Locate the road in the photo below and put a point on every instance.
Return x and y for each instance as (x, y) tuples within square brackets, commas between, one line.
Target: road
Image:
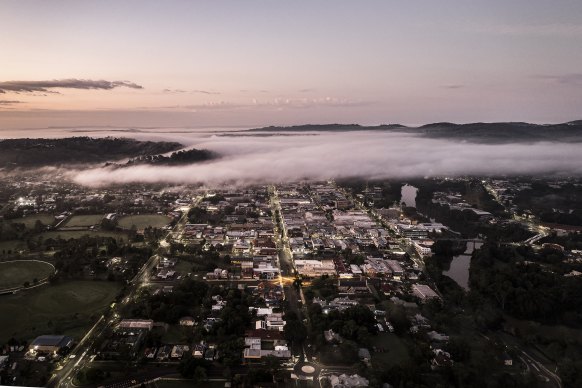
[(539, 230), (533, 364), (285, 257), (79, 357)]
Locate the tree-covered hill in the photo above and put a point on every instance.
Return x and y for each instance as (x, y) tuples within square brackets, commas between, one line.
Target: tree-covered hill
[(76, 150)]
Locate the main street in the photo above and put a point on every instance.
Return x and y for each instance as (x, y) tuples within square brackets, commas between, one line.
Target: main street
[(80, 356), (285, 257)]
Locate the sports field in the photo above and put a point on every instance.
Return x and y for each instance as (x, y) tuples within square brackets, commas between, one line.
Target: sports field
[(69, 308), (15, 273), (142, 221), (83, 221)]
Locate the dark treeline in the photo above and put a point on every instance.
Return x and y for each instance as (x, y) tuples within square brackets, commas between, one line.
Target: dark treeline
[(519, 283), (75, 150), (176, 158)]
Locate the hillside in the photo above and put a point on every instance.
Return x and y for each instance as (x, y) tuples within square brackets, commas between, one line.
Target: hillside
[(327, 128), (76, 150), (510, 132)]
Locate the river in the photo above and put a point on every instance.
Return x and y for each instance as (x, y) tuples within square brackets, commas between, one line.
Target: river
[(408, 195), (459, 269)]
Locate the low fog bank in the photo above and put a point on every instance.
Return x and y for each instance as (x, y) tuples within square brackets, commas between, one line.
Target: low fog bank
[(247, 160)]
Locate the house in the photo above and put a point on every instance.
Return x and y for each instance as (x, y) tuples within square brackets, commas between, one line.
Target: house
[(187, 321), (352, 286), (209, 354), (507, 359), (198, 350), (345, 381), (164, 353), (440, 359), (331, 336), (150, 353), (178, 351)]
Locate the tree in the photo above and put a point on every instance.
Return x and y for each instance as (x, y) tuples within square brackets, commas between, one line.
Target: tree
[(295, 332), (199, 374)]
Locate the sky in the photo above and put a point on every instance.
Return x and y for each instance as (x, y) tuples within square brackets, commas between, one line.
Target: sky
[(253, 63)]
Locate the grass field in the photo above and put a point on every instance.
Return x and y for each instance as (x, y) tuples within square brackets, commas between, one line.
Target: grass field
[(15, 273), (142, 221), (67, 235), (176, 334), (30, 221), (83, 221), (69, 308), (395, 351)]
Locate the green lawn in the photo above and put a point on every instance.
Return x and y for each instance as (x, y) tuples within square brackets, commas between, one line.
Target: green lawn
[(142, 221), (15, 273), (30, 221), (395, 350), (84, 221), (69, 308), (67, 235), (176, 334)]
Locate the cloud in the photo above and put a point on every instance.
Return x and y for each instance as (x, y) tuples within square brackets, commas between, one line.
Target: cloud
[(177, 91), (9, 102), (47, 86), (454, 86), (248, 160), (276, 103), (569, 79)]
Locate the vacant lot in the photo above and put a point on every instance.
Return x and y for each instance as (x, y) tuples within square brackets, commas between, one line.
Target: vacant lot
[(67, 234), (15, 273), (30, 221), (83, 221), (70, 308), (142, 221)]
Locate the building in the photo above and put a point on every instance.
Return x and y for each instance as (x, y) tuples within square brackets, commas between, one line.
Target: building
[(315, 268), (46, 344), (187, 321), (352, 286), (423, 292), (142, 324)]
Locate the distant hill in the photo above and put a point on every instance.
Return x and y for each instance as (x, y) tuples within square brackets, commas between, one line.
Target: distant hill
[(76, 150), (327, 128), (474, 132), (505, 132)]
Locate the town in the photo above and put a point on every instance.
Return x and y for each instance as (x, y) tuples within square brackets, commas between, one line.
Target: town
[(320, 284)]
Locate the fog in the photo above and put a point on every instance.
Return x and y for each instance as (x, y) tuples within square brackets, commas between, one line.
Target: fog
[(259, 159)]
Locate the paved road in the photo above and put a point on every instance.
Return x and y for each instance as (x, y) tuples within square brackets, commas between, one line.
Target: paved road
[(285, 261), (80, 356)]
